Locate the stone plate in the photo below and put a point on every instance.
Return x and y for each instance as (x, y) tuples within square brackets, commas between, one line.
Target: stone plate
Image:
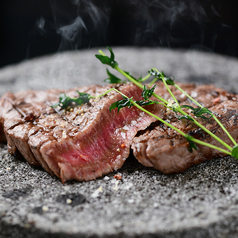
[(202, 202)]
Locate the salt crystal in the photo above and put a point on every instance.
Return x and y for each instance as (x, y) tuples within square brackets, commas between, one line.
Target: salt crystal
[(106, 178), (45, 208), (97, 192), (194, 94), (68, 201)]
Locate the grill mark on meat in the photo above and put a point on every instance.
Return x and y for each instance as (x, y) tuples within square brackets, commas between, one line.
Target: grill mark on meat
[(18, 135), (82, 152)]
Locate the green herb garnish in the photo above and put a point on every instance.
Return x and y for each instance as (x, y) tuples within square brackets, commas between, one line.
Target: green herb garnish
[(106, 60), (66, 102), (192, 145), (161, 76), (125, 102), (198, 112), (187, 117), (112, 78), (148, 92), (234, 151)]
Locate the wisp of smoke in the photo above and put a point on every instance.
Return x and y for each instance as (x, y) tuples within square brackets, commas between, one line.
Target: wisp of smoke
[(71, 33), (84, 24), (164, 22), (40, 24), (88, 23)]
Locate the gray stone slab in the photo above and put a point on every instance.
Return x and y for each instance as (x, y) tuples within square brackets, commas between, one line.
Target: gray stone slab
[(202, 202)]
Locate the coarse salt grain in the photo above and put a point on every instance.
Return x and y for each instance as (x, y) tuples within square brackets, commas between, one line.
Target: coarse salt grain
[(194, 94), (182, 95), (116, 185), (68, 201), (64, 134), (45, 208), (97, 192), (106, 178)]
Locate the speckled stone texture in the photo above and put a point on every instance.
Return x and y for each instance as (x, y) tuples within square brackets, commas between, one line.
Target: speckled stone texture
[(202, 202)]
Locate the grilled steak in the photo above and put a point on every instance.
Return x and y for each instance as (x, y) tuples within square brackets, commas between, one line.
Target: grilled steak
[(80, 144), (164, 149), (89, 141)]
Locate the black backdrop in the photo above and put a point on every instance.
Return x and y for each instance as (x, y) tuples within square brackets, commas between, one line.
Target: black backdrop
[(33, 28)]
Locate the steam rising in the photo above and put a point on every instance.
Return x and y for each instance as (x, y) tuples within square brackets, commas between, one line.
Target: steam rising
[(41, 25), (86, 23), (164, 22), (72, 33)]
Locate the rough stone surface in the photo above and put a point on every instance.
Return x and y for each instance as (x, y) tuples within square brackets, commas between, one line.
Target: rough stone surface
[(202, 202)]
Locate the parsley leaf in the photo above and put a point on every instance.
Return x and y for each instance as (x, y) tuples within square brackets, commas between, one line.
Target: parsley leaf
[(199, 112), (192, 145), (160, 75), (112, 78), (147, 92), (66, 102), (125, 102), (139, 79), (234, 151), (144, 103), (106, 60), (187, 117)]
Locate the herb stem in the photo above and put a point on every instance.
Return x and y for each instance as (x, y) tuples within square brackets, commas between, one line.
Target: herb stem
[(152, 82), (166, 102), (134, 81), (181, 132), (213, 116), (211, 134), (139, 84), (103, 94), (169, 125), (145, 78), (167, 87), (185, 114)]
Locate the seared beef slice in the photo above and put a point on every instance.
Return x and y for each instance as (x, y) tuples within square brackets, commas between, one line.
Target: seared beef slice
[(80, 144), (89, 141), (166, 150)]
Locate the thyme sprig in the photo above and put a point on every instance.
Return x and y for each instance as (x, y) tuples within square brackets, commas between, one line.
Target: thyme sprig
[(66, 102), (127, 102), (169, 81), (198, 112), (108, 60), (130, 102)]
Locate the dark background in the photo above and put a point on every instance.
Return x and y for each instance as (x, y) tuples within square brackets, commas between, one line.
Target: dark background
[(34, 28)]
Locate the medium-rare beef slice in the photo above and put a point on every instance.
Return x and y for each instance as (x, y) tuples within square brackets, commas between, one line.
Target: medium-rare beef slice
[(164, 149), (80, 144), (88, 141)]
